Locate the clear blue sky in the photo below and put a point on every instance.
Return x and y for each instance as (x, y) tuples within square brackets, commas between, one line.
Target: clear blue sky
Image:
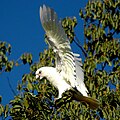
[(20, 26)]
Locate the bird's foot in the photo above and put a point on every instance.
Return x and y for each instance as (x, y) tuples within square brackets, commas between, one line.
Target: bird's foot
[(55, 99)]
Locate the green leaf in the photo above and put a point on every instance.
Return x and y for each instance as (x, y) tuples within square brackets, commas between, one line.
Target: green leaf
[(29, 86), (6, 111), (9, 66), (26, 104), (81, 14), (26, 58), (1, 109)]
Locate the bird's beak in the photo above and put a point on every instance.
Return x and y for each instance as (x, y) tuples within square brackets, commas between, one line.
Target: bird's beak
[(38, 76)]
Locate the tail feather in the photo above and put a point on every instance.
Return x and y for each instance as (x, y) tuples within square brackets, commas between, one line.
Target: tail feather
[(93, 103)]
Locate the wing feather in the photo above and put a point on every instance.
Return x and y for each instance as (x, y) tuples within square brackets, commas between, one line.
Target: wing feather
[(59, 42), (67, 63)]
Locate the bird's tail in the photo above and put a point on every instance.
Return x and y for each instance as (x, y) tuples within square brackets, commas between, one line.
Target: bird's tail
[(93, 103)]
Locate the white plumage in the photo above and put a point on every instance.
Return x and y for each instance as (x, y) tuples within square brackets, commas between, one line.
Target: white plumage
[(68, 73)]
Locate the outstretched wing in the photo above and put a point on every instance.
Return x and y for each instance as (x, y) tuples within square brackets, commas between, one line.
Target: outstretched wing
[(60, 44), (66, 62)]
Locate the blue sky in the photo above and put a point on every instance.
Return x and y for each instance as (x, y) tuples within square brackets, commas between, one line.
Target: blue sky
[(20, 26)]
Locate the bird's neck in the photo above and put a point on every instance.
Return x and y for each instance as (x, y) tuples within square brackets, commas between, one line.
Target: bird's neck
[(50, 72)]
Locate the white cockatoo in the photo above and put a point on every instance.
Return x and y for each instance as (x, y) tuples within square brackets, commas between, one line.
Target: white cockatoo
[(67, 73)]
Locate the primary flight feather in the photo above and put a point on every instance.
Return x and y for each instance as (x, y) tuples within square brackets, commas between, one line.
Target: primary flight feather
[(67, 73)]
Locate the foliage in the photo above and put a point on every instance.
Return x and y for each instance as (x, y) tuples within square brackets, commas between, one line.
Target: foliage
[(5, 49), (6, 64), (35, 100), (102, 64), (69, 24)]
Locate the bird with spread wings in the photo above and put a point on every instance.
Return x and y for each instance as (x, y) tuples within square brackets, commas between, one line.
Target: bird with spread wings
[(67, 73)]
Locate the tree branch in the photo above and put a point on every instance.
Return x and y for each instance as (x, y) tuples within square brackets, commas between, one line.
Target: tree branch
[(78, 44), (11, 87)]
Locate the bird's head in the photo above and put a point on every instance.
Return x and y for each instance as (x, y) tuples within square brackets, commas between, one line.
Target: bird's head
[(40, 73), (44, 72)]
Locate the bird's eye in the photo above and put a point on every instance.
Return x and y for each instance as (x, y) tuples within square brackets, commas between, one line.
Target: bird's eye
[(39, 72)]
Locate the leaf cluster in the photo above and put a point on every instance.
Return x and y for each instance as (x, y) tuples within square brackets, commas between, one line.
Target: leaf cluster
[(5, 51), (102, 64), (69, 24)]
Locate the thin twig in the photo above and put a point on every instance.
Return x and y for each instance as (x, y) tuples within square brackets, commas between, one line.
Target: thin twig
[(13, 91), (78, 44)]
